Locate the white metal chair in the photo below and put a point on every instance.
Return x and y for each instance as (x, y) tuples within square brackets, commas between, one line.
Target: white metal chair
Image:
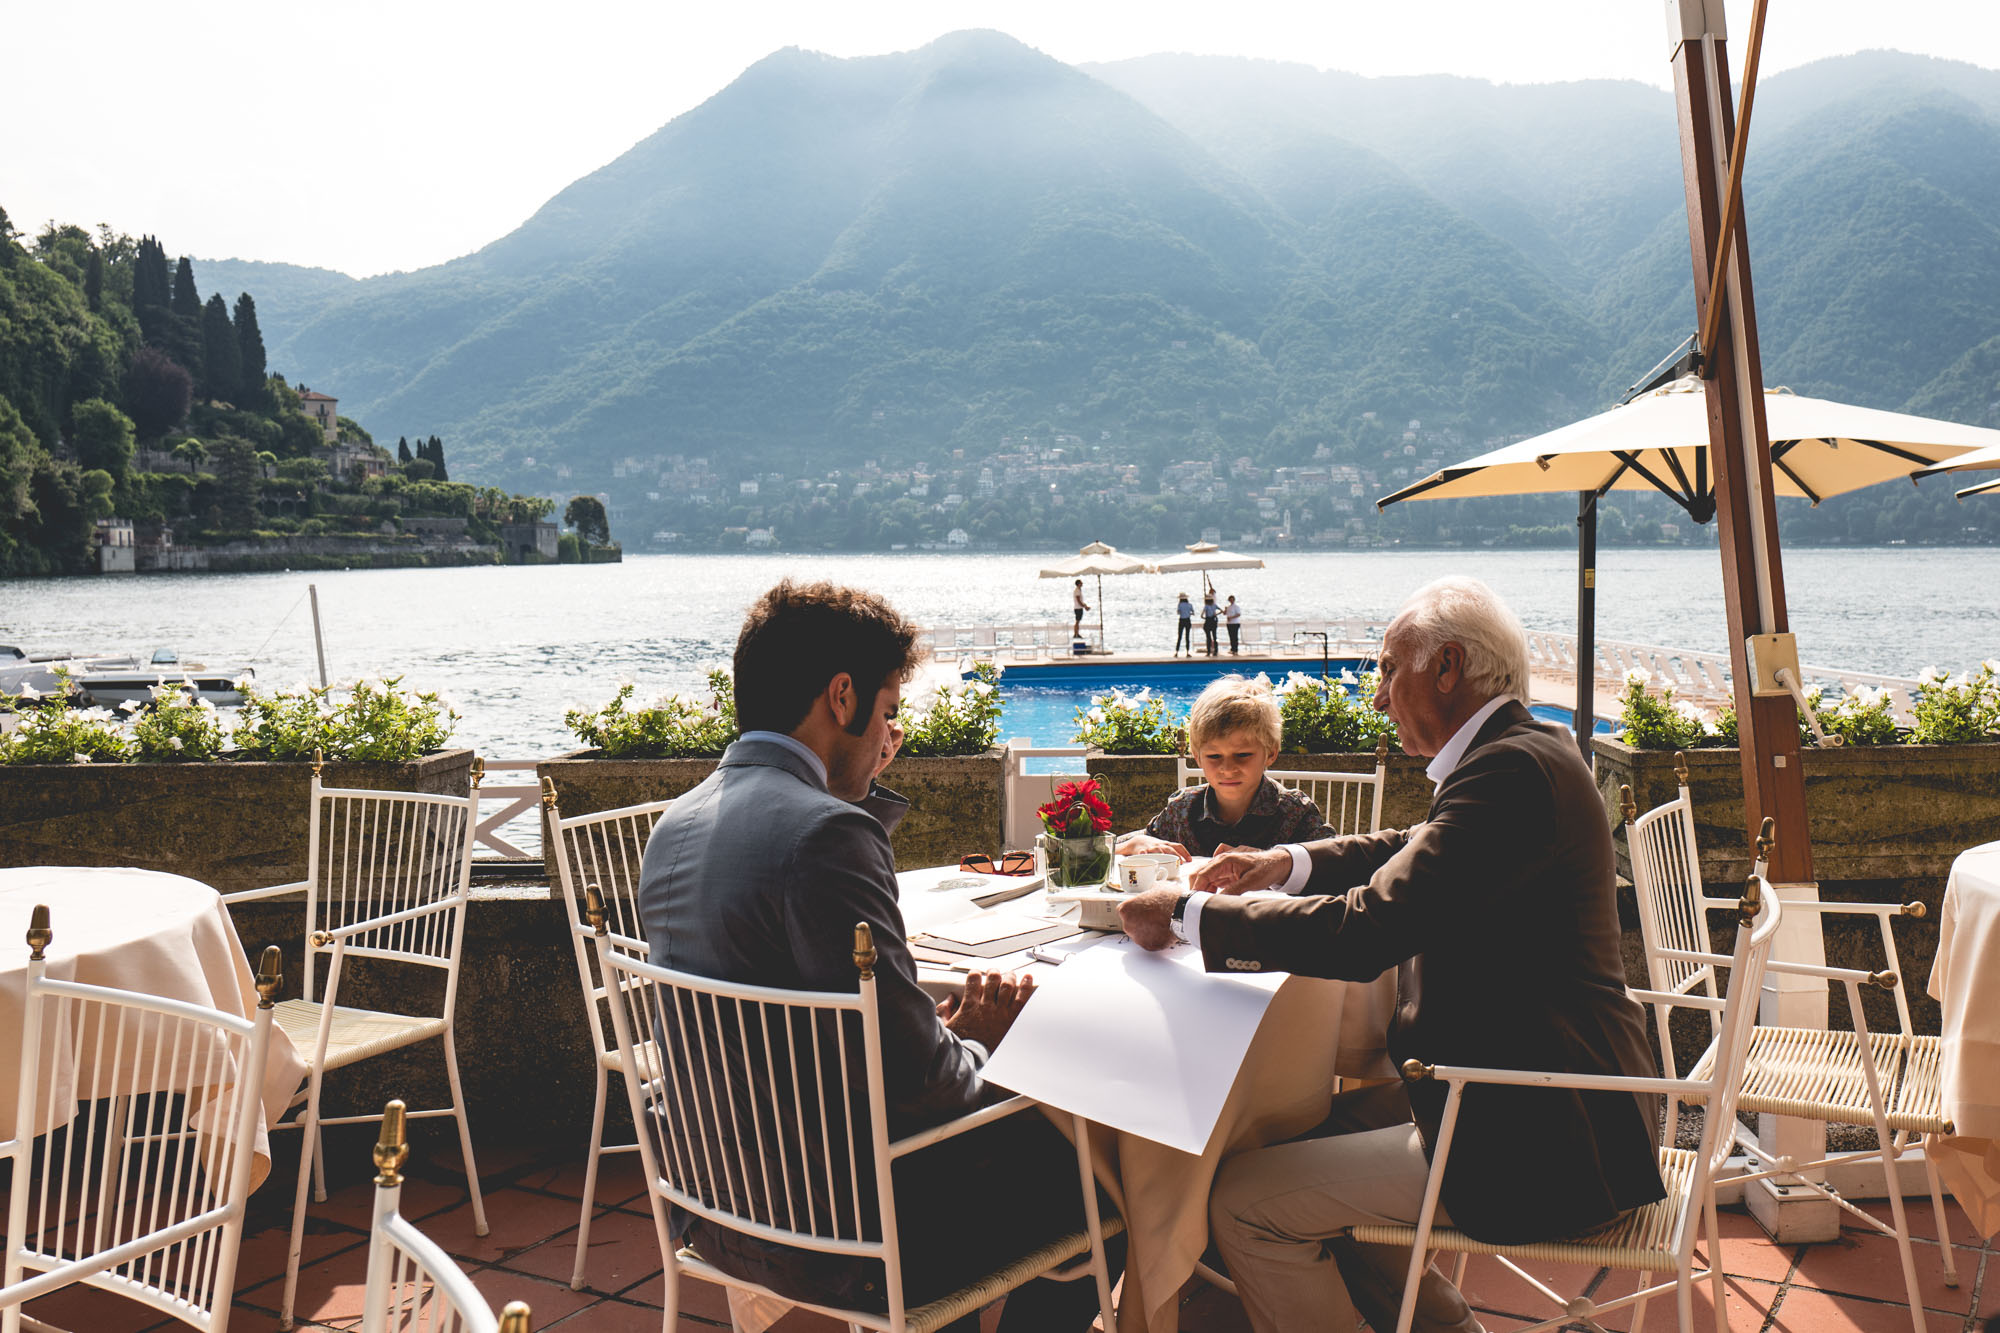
[(599, 852), (1349, 802), (412, 1284), (1803, 1072), (1660, 1237), (388, 875), (135, 1126), (811, 1116)]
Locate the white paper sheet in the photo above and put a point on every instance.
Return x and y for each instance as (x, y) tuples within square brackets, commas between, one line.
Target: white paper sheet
[(1146, 1043)]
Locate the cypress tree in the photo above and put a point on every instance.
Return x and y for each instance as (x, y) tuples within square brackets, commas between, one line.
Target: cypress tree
[(221, 362), (152, 291), (403, 449), (184, 328), (436, 456), (93, 281), (250, 369)]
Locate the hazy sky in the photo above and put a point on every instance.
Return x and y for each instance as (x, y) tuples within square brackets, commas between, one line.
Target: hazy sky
[(368, 136)]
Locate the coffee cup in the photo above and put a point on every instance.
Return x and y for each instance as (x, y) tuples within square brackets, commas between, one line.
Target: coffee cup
[(1147, 870)]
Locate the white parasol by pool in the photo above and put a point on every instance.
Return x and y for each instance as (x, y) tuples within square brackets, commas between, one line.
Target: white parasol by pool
[(1096, 560), (1205, 556)]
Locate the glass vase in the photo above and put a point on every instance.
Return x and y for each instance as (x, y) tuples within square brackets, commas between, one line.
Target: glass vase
[(1081, 862)]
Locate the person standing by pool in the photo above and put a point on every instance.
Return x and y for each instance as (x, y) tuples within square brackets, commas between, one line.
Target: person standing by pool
[(1079, 606), (1232, 615), (1185, 634), (1208, 614)]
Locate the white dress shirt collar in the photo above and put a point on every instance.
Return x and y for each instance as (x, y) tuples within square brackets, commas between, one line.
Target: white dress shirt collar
[(1454, 749)]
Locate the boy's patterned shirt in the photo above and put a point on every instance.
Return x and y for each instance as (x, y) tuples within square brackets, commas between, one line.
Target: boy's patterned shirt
[(1277, 815)]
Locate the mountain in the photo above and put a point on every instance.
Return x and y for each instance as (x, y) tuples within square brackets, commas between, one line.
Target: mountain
[(897, 256)]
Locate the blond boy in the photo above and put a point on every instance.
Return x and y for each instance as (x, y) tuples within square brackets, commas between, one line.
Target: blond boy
[(1234, 732)]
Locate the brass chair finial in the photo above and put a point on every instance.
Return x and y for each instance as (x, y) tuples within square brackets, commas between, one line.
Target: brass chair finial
[(514, 1319), (392, 1148), (1916, 909), (1382, 749), (1626, 805), (548, 793), (319, 761), (39, 934), (593, 909), (478, 770), (1681, 766), (864, 950), (1767, 840), (1416, 1071), (1752, 901), (1885, 979), (270, 976)]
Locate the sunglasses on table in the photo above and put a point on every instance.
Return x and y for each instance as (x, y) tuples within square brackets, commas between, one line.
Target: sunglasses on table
[(1010, 863)]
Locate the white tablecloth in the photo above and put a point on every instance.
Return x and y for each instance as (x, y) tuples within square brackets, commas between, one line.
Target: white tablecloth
[(137, 930), (1965, 981)]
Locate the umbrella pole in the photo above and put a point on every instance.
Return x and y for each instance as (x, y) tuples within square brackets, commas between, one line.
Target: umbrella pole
[(1586, 620), (1100, 614)]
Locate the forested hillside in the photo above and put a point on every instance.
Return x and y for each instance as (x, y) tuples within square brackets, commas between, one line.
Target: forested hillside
[(962, 248)]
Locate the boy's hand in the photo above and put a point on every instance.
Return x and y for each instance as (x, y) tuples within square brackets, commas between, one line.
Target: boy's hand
[(1135, 844)]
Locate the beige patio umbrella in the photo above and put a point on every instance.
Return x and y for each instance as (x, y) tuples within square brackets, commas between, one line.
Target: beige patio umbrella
[(1659, 441), (1096, 559), (1977, 460), (1205, 556)]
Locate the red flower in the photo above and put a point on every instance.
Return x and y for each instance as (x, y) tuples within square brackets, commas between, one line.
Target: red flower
[(1077, 804)]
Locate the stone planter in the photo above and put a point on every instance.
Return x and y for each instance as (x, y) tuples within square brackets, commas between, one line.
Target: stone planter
[(1137, 785), (954, 801), (232, 825), (1875, 812)]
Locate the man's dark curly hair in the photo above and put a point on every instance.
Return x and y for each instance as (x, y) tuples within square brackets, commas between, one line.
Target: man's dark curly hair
[(799, 636)]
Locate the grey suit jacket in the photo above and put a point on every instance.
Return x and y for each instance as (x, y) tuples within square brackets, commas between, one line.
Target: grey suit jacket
[(1501, 918)]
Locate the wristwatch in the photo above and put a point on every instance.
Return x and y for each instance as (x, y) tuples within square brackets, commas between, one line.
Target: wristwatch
[(1178, 921)]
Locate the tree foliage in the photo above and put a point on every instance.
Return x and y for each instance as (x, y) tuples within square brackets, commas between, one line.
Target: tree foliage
[(586, 514), (158, 392), (102, 436)]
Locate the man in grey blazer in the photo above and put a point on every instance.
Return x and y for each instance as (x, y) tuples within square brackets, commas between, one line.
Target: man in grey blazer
[(759, 874), (1500, 915)]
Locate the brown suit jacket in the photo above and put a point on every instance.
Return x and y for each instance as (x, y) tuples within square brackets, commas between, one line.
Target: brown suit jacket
[(1501, 916)]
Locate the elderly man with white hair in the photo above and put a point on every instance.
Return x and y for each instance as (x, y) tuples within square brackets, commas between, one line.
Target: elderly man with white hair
[(1499, 913)]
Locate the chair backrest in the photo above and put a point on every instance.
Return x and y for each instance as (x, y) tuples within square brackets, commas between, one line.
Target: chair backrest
[(601, 851), (375, 854), (135, 1126), (1666, 878), (413, 1284), (1348, 802), (766, 1104), (1758, 915)]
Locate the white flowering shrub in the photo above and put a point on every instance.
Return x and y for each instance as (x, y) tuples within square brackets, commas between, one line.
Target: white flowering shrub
[(1659, 721), (672, 726), (1965, 707), (179, 726), (1121, 723), (956, 719), (50, 731), (1860, 717), (1324, 715)]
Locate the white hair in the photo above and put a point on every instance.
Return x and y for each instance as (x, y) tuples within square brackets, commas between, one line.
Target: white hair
[(1466, 612)]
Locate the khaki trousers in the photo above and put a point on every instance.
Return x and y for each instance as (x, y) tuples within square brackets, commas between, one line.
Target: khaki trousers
[(1278, 1215)]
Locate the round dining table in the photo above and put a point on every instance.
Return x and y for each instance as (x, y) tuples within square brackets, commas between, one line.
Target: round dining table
[(138, 930), (1315, 1035)]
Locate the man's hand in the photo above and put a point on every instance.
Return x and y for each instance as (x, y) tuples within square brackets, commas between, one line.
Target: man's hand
[(1134, 844), (1242, 871), (894, 743), (1148, 918), (987, 1008)]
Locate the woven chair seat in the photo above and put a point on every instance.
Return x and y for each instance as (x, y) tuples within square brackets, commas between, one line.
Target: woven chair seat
[(1817, 1076), (356, 1034), (1642, 1239), (956, 1305)]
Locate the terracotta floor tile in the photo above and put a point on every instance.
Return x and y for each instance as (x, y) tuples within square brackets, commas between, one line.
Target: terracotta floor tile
[(1491, 1287), (516, 1220), (1923, 1221), (1749, 1302), (1747, 1249), (808, 1321), (330, 1291), (90, 1308), (620, 1179), (263, 1252), (703, 1300), (609, 1316), (354, 1205), (1807, 1311), (496, 1161), (624, 1250), (1865, 1264), (550, 1301)]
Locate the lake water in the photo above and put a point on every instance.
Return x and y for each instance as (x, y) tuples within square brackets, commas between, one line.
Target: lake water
[(515, 646)]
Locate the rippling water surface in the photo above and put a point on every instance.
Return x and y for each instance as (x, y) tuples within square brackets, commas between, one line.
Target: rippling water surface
[(515, 646)]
